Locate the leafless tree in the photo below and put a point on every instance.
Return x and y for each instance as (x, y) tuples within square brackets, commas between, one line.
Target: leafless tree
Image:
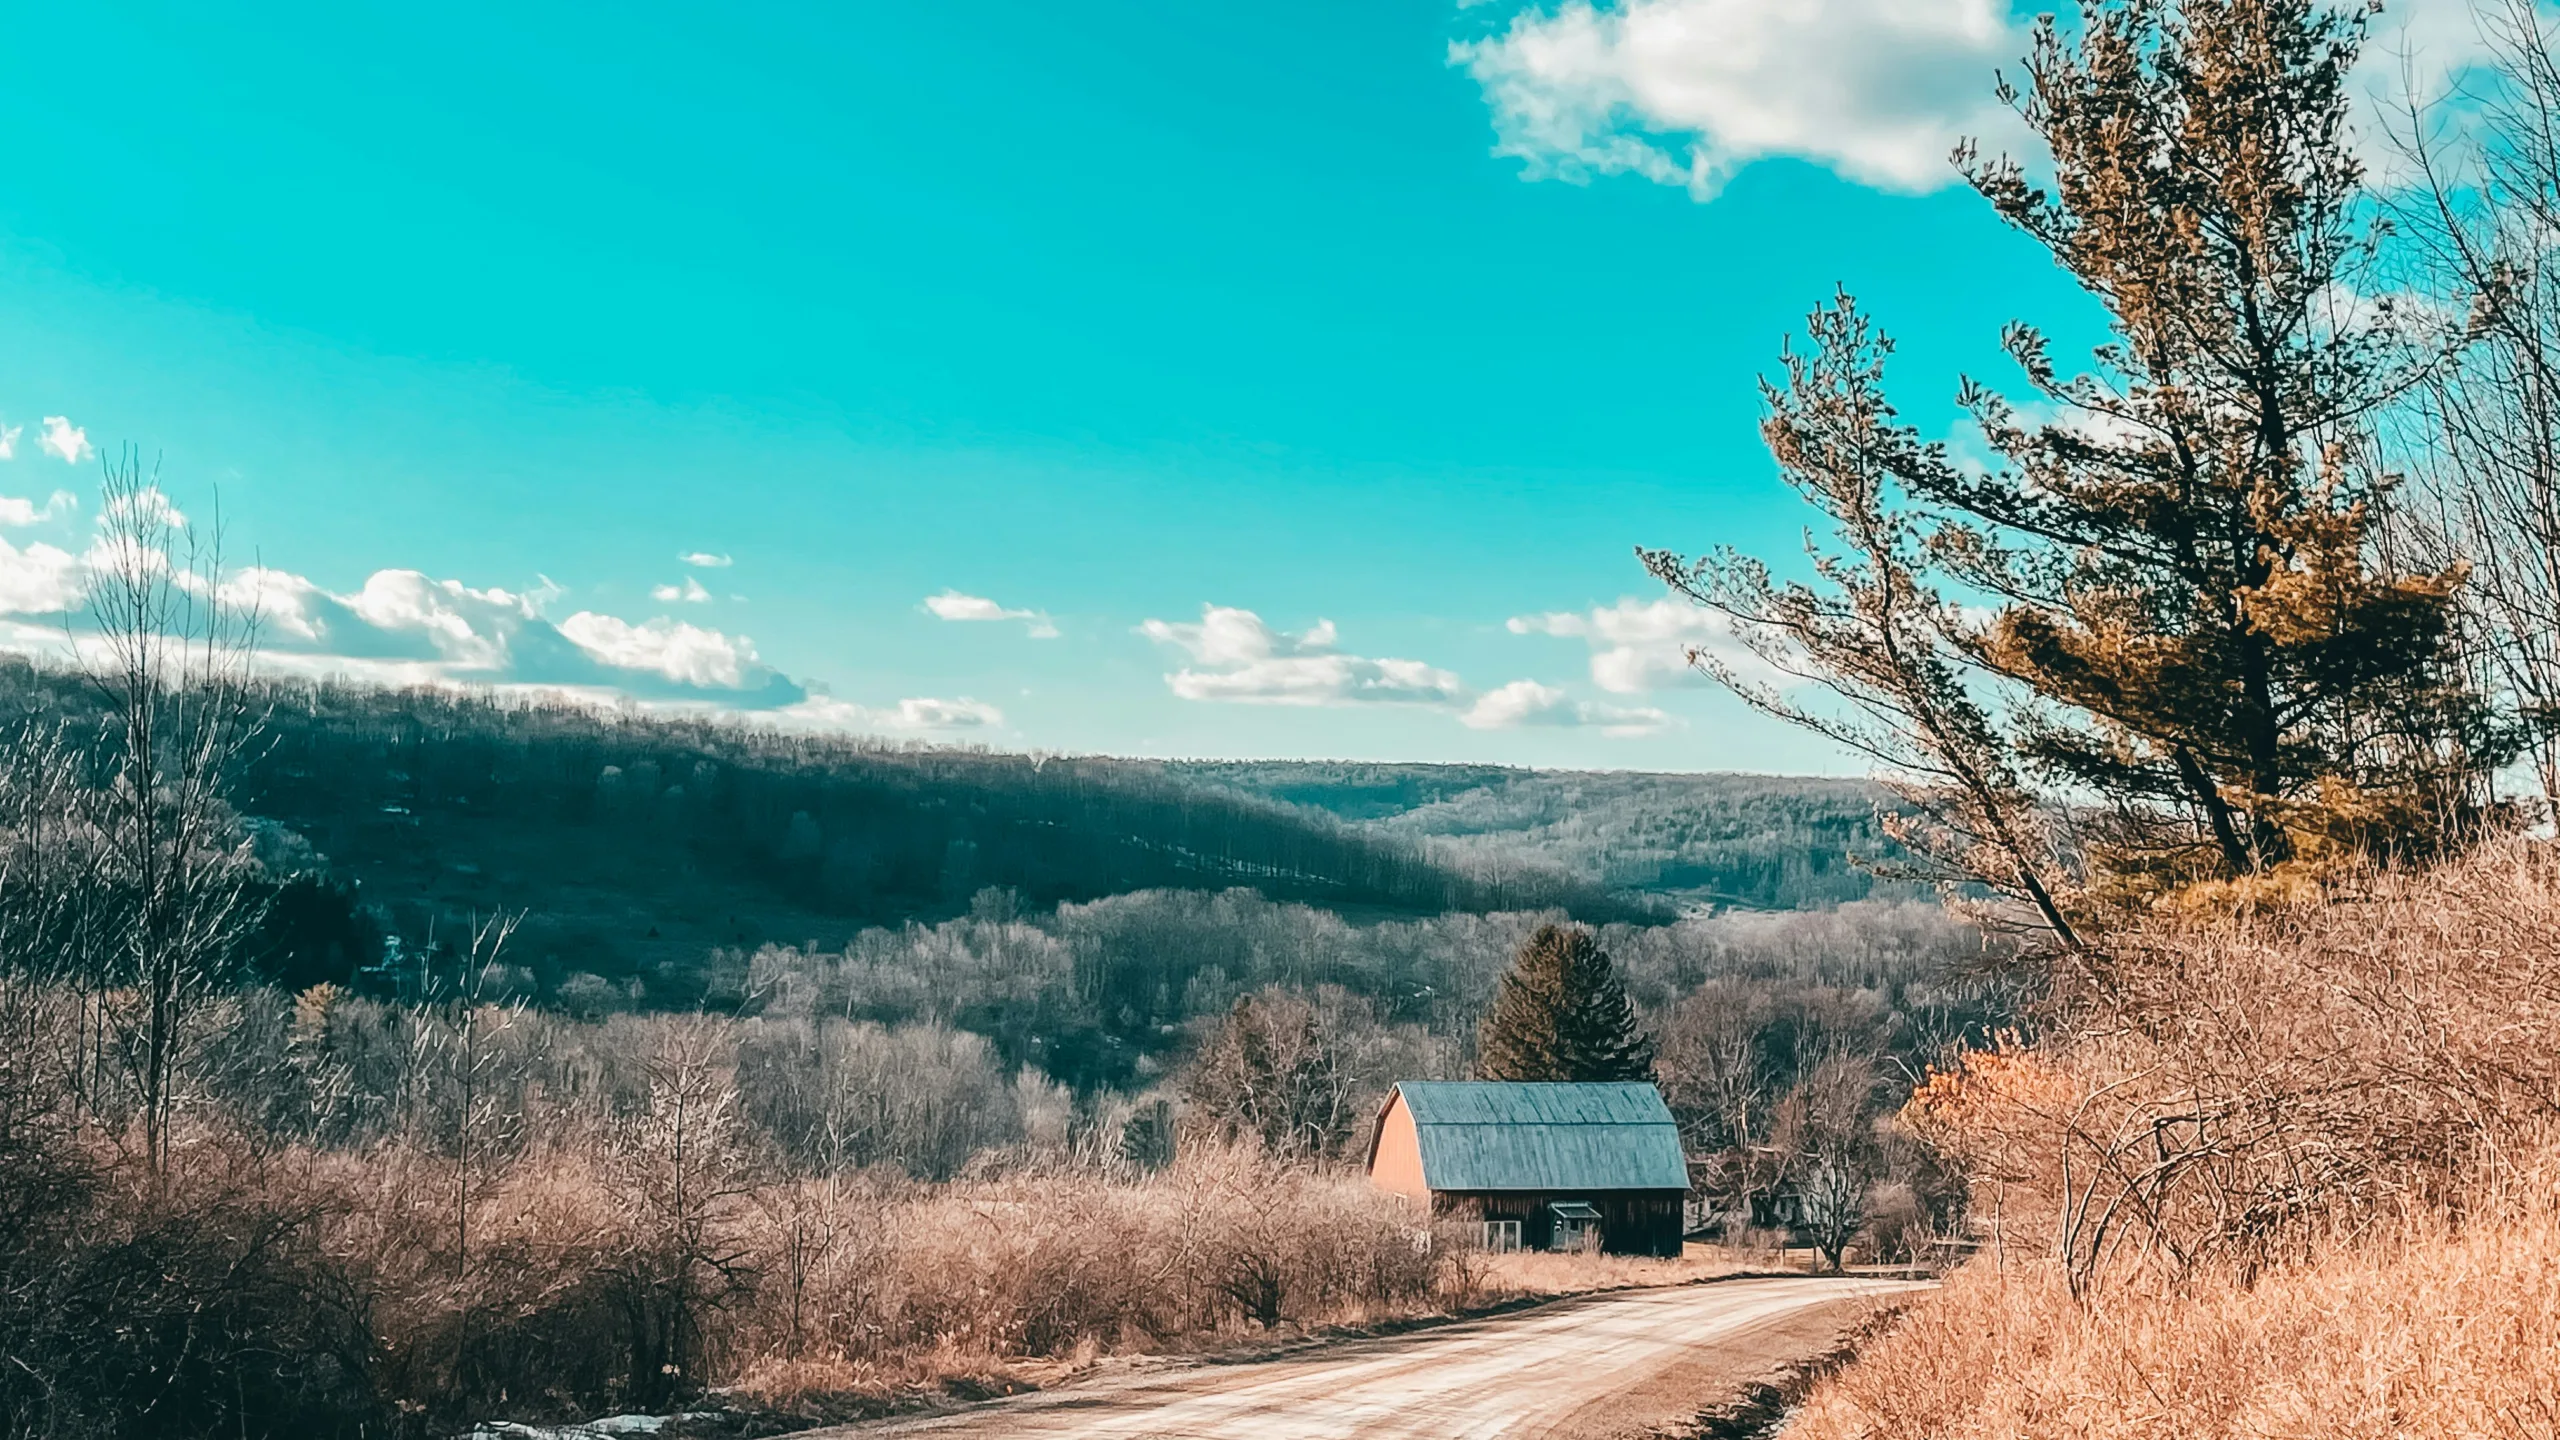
[(170, 657), (2483, 434), (460, 1052), (686, 1182)]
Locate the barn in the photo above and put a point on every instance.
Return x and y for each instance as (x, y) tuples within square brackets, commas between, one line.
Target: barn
[(1540, 1166)]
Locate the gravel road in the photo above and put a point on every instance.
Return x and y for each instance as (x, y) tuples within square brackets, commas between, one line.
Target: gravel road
[(1596, 1368)]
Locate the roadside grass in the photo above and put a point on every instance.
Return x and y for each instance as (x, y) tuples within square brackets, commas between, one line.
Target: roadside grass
[(2426, 1329), (1529, 1272), (2355, 1100)]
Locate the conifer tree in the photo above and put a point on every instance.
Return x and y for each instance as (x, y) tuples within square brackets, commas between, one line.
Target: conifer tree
[(1560, 1014), (2174, 555)]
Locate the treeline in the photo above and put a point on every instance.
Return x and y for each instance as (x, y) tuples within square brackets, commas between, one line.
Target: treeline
[(1111, 993), (1756, 841)]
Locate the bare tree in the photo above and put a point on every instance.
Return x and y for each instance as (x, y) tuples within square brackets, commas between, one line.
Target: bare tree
[(2485, 428), (170, 657), (465, 1072), (685, 1181)]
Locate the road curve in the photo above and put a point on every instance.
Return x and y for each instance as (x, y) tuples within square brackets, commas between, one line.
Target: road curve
[(1599, 1366)]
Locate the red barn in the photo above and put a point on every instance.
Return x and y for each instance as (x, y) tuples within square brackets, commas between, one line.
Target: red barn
[(1540, 1166)]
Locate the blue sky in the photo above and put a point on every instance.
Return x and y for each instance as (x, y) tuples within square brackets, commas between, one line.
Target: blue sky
[(1272, 382)]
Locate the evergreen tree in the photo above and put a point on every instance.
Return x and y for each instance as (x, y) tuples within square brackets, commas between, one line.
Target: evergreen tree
[(2177, 551), (2188, 557), (1561, 1015)]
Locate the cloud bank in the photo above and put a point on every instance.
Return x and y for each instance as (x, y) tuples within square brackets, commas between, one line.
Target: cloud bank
[(405, 627)]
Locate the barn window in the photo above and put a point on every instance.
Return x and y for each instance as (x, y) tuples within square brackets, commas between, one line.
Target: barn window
[(1502, 1236)]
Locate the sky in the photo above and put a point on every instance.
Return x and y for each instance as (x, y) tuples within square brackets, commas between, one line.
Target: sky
[(1139, 377)]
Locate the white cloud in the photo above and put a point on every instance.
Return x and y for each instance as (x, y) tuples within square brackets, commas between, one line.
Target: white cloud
[(912, 716), (688, 593), (687, 654), (64, 440), (404, 627), (1526, 702), (953, 605), (2428, 53), (1643, 645), (9, 440), (1247, 662), (1686, 92), (706, 560), (18, 512), (468, 628), (286, 605), (38, 580), (152, 505)]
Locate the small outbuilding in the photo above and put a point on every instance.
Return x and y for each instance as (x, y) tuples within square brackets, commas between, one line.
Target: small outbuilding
[(1540, 1166)]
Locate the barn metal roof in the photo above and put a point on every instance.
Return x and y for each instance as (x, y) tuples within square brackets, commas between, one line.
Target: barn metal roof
[(1501, 1135)]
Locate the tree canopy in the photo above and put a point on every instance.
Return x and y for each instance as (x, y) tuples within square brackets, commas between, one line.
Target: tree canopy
[(1560, 1014)]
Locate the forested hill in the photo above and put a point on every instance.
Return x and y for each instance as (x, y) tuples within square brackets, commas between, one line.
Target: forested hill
[(1756, 841), (637, 844)]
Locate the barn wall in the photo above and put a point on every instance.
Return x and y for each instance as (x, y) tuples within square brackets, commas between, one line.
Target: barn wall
[(1632, 1222), (1395, 1162)]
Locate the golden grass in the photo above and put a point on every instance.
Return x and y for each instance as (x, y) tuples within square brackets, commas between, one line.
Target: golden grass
[(2288, 1174), (1526, 1273), (2423, 1331)]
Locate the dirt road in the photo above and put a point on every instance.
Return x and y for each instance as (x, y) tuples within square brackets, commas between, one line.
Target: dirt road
[(1604, 1366)]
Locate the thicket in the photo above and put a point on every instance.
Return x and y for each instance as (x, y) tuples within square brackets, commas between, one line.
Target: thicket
[(392, 1218)]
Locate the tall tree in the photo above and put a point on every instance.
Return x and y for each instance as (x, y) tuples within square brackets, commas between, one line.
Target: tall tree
[(2177, 552), (2187, 555), (1560, 1014)]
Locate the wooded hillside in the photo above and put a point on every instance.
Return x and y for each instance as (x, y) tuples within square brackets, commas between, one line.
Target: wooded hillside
[(636, 847)]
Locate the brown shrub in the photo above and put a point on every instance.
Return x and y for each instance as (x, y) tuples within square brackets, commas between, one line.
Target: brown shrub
[(2416, 1328), (1038, 1264), (2228, 1093)]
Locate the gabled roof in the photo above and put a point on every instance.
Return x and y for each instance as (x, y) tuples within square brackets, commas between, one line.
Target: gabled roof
[(1501, 1135)]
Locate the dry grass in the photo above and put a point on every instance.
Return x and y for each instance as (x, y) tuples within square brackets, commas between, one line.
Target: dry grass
[(2427, 1330), (1528, 1272), (2221, 1095), (2289, 1174)]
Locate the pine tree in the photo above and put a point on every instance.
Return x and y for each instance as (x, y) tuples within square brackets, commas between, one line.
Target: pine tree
[(2187, 555), (1560, 1014), (2166, 597)]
